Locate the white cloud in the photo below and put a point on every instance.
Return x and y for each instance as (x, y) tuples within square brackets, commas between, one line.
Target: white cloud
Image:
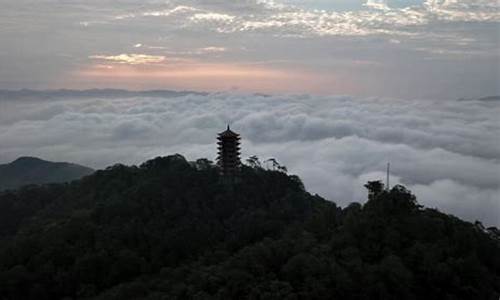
[(446, 152), (285, 20), (181, 9), (461, 199), (212, 49), (211, 16), (377, 4), (132, 59), (460, 37), (464, 10)]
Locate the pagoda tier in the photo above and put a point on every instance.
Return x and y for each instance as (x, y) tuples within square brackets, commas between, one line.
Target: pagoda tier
[(228, 158)]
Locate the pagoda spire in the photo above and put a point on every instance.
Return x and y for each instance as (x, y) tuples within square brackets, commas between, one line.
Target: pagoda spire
[(228, 158)]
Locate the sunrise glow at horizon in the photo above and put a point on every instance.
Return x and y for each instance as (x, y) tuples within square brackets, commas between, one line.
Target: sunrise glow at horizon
[(410, 48)]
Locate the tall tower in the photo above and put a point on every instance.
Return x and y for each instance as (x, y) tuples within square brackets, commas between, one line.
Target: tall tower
[(387, 187), (228, 157)]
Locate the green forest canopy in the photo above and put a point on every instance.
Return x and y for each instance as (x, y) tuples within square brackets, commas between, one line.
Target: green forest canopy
[(172, 229)]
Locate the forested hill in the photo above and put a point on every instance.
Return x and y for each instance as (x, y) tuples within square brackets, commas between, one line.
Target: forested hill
[(171, 229), (32, 170)]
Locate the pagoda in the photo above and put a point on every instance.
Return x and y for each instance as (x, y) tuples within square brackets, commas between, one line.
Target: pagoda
[(228, 158)]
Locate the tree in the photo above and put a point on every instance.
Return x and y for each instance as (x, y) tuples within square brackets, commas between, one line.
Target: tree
[(375, 188), (276, 165), (253, 162), (282, 169), (203, 164), (171, 230)]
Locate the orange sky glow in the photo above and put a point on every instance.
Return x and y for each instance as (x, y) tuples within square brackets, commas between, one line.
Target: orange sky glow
[(190, 75)]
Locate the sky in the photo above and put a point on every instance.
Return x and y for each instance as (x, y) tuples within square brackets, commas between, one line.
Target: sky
[(440, 49)]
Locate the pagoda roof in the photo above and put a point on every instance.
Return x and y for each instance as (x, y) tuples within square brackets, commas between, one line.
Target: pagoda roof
[(228, 133)]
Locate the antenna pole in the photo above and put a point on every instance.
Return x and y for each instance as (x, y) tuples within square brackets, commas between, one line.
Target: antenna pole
[(388, 172)]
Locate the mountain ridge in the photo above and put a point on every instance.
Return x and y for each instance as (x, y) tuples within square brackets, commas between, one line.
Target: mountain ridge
[(173, 229), (33, 170), (108, 93)]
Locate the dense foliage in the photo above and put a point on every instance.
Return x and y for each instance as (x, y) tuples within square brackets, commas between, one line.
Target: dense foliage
[(171, 229), (32, 170)]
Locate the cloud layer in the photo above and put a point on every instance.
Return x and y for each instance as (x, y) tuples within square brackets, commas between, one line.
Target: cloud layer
[(374, 17), (447, 152), (133, 59)]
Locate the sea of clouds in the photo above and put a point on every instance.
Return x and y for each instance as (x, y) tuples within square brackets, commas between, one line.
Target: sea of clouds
[(446, 152)]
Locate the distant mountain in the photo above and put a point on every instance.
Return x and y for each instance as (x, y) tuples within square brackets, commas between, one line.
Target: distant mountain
[(32, 170), (484, 99), (173, 229), (105, 93), (490, 98)]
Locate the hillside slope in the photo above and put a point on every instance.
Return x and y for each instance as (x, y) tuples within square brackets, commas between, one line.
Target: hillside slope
[(32, 170), (170, 229)]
